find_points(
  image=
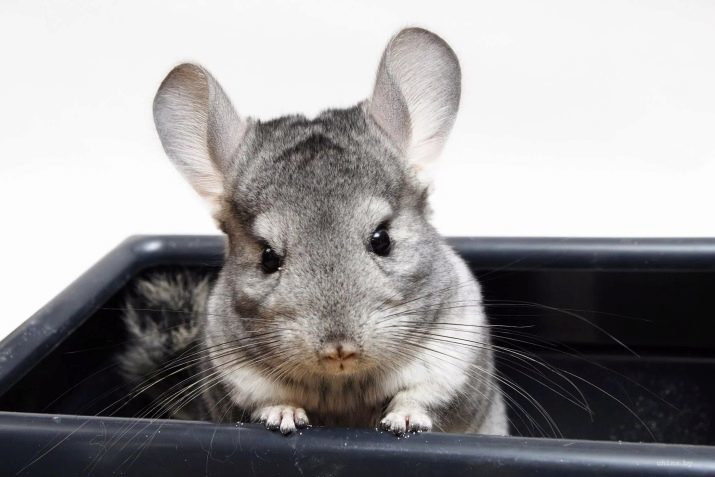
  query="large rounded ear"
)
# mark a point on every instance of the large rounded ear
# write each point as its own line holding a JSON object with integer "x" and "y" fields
{"x": 199, "y": 128}
{"x": 416, "y": 94}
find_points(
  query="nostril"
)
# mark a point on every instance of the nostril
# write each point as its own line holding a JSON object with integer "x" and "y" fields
{"x": 347, "y": 350}
{"x": 341, "y": 351}
{"x": 329, "y": 352}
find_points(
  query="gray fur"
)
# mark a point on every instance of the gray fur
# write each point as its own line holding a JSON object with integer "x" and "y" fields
{"x": 314, "y": 190}
{"x": 163, "y": 315}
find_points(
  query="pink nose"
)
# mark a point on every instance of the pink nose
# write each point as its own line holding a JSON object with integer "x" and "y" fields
{"x": 339, "y": 351}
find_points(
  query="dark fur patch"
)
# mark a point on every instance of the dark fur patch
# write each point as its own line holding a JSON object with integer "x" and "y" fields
{"x": 163, "y": 315}
{"x": 315, "y": 145}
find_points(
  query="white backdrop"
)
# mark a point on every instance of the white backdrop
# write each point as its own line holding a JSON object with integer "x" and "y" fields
{"x": 579, "y": 118}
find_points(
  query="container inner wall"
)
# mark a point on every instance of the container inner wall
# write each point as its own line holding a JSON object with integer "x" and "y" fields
{"x": 582, "y": 384}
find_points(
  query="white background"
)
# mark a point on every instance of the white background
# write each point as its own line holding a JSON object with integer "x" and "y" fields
{"x": 579, "y": 118}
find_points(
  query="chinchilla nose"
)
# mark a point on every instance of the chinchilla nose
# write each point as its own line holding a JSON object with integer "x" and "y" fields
{"x": 341, "y": 351}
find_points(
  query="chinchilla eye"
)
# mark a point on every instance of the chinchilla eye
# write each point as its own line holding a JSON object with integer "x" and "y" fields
{"x": 270, "y": 260}
{"x": 380, "y": 241}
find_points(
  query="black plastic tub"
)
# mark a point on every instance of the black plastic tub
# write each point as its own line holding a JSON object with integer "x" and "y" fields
{"x": 622, "y": 331}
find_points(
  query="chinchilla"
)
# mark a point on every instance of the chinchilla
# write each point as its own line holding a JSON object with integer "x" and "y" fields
{"x": 338, "y": 303}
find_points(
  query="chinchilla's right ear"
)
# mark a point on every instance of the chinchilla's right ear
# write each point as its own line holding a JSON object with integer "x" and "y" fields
{"x": 199, "y": 128}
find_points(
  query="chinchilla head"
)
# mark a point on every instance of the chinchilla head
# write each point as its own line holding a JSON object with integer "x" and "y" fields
{"x": 326, "y": 218}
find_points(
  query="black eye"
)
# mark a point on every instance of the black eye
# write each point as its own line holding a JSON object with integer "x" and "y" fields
{"x": 380, "y": 241}
{"x": 270, "y": 260}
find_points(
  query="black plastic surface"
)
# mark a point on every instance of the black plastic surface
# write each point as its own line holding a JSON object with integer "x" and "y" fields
{"x": 127, "y": 447}
{"x": 625, "y": 321}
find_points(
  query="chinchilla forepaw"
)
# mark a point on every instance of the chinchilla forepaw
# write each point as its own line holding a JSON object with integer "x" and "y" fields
{"x": 286, "y": 418}
{"x": 400, "y": 422}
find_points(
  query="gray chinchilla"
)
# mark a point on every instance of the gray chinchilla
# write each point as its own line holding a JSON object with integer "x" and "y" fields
{"x": 338, "y": 303}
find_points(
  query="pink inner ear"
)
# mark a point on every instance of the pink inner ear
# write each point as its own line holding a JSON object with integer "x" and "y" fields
{"x": 417, "y": 93}
{"x": 199, "y": 128}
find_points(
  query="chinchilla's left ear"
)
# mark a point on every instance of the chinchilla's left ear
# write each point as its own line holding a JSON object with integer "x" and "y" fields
{"x": 199, "y": 129}
{"x": 416, "y": 95}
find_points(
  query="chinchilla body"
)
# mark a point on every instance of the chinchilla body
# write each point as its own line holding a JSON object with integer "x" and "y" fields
{"x": 338, "y": 303}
